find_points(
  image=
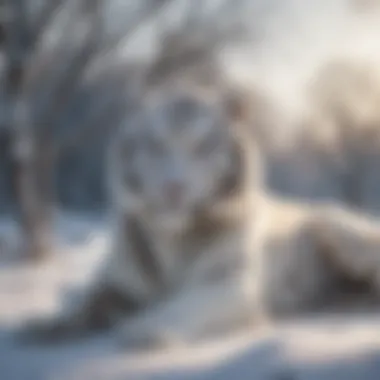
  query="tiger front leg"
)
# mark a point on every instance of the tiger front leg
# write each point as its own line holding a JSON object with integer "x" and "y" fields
{"x": 191, "y": 314}
{"x": 95, "y": 311}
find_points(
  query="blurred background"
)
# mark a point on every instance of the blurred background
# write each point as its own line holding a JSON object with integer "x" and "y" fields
{"x": 72, "y": 70}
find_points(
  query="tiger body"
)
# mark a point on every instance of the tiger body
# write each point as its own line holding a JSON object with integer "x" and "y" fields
{"x": 199, "y": 246}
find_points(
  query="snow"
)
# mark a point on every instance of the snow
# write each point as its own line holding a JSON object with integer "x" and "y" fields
{"x": 331, "y": 347}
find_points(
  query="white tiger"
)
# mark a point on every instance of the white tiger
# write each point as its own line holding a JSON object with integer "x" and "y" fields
{"x": 199, "y": 247}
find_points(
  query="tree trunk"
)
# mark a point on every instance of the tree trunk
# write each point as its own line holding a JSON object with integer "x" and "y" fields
{"x": 31, "y": 165}
{"x": 45, "y": 191}
{"x": 33, "y": 184}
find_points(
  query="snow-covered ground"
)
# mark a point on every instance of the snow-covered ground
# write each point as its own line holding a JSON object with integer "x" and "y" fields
{"x": 340, "y": 348}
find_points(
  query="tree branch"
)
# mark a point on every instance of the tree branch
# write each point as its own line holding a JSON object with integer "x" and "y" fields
{"x": 67, "y": 81}
{"x": 44, "y": 18}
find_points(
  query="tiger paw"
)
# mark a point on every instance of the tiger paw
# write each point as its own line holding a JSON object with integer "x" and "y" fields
{"x": 43, "y": 331}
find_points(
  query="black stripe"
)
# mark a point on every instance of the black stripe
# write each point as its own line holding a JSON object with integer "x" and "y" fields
{"x": 232, "y": 182}
{"x": 143, "y": 250}
{"x": 105, "y": 303}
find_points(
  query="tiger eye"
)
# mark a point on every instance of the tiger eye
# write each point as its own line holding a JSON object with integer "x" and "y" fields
{"x": 155, "y": 147}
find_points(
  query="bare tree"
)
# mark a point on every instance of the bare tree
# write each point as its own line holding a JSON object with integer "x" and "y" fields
{"x": 34, "y": 107}
{"x": 49, "y": 47}
{"x": 31, "y": 131}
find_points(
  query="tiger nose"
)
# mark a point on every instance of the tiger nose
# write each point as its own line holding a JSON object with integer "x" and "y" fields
{"x": 175, "y": 192}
